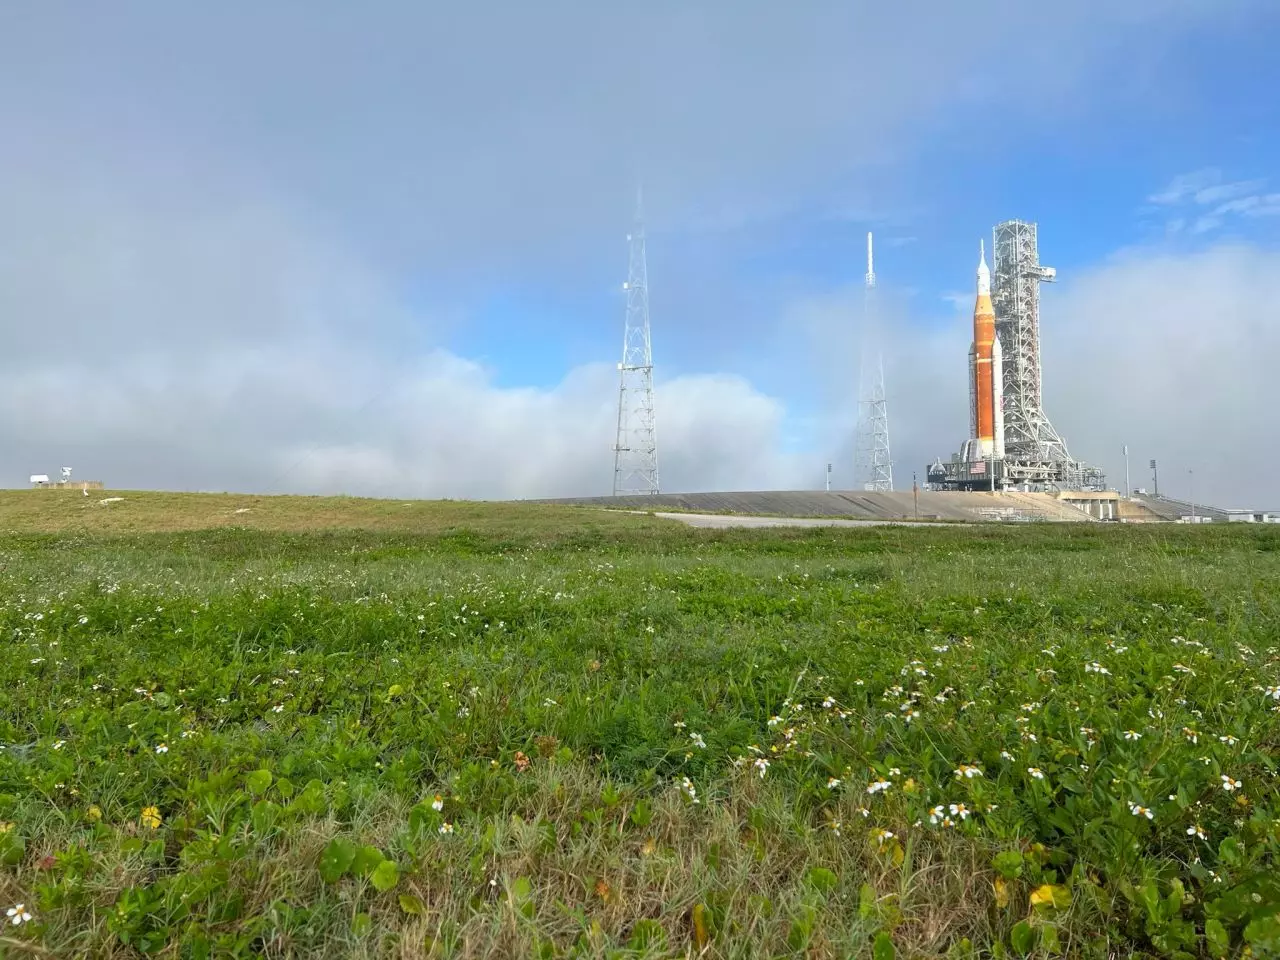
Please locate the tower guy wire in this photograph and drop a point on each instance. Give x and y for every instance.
(873, 464)
(635, 457)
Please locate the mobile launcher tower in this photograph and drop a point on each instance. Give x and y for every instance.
(1012, 444)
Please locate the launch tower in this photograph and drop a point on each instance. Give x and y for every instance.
(1034, 453)
(635, 454)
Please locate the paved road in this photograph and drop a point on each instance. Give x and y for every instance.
(719, 521)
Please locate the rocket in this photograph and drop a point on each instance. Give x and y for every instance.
(986, 373)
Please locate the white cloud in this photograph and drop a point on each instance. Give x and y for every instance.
(323, 422)
(441, 140)
(1205, 189)
(1172, 354)
(1257, 205)
(1225, 191)
(959, 299)
(1186, 186)
(240, 346)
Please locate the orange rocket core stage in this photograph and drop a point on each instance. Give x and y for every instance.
(984, 335)
(985, 371)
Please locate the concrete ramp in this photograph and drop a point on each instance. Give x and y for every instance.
(850, 504)
(1166, 508)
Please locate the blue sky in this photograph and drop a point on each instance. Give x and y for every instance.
(388, 244)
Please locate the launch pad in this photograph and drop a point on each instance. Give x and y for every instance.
(1013, 445)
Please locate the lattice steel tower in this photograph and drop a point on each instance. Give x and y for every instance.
(873, 464)
(1034, 452)
(635, 458)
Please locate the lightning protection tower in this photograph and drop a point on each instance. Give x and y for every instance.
(635, 457)
(874, 466)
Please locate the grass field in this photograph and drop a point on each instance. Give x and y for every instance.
(349, 728)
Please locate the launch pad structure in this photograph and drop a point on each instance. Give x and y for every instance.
(1028, 454)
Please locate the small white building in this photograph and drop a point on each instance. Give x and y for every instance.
(39, 479)
(1252, 516)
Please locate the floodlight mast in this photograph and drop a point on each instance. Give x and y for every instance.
(635, 460)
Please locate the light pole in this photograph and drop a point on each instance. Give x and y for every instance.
(828, 478)
(1192, 480)
(1155, 478)
(1127, 491)
(915, 494)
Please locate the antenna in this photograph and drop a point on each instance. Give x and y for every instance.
(635, 458)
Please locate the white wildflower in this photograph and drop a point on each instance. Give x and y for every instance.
(687, 788)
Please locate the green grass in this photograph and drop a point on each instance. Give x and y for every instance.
(569, 682)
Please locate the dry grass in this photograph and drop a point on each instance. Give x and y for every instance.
(69, 511)
(595, 875)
